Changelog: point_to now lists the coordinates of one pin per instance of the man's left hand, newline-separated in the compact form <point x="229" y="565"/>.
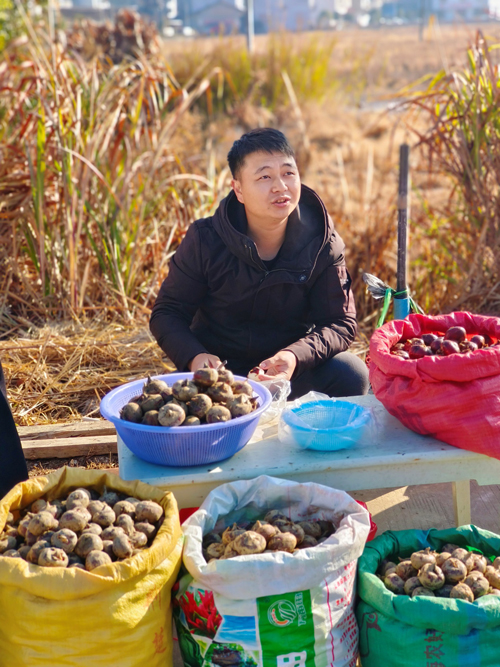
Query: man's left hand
<point x="281" y="365"/>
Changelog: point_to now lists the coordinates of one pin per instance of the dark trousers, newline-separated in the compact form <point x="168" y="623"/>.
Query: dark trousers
<point x="343" y="375"/>
<point x="12" y="463"/>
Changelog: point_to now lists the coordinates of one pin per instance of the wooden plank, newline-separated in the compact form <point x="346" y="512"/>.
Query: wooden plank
<point x="461" y="502"/>
<point x="62" y="448"/>
<point x="71" y="429"/>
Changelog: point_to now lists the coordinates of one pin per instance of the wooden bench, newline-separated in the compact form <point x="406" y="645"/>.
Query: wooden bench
<point x="85" y="438"/>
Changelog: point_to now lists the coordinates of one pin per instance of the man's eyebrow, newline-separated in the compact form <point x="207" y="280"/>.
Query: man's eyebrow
<point x="285" y="164"/>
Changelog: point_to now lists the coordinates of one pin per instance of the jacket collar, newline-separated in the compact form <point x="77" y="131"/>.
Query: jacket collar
<point x="308" y="230"/>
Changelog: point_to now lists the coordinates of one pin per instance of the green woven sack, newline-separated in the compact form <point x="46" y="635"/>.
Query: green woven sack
<point x="398" y="631"/>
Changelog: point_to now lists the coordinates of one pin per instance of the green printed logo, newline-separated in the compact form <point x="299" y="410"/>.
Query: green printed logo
<point x="281" y="613"/>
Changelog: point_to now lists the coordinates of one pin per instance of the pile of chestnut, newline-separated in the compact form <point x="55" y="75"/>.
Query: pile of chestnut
<point x="453" y="341"/>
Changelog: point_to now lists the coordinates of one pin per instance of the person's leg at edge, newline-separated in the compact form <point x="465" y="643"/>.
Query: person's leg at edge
<point x="12" y="462"/>
<point x="343" y="375"/>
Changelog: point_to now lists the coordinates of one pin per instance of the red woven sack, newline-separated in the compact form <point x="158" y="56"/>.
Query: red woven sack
<point x="455" y="399"/>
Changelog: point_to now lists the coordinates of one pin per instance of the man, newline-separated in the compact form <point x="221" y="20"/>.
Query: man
<point x="263" y="282"/>
<point x="12" y="463"/>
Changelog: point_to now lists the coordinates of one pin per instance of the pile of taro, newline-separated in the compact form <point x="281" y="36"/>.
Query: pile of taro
<point x="84" y="530"/>
<point x="452" y="573"/>
<point x="454" y="341"/>
<point x="211" y="396"/>
<point x="276" y="532"/>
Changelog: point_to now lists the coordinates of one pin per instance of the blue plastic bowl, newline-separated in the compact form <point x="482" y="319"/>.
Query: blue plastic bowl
<point x="327" y="425"/>
<point x="182" y="445"/>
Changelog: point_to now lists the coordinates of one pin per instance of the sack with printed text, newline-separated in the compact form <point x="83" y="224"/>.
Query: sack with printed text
<point x="272" y="608"/>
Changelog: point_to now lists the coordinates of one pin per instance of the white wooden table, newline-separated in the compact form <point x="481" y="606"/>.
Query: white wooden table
<point x="395" y="457"/>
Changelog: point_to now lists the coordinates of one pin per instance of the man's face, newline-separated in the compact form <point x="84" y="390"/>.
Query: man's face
<point x="268" y="185"/>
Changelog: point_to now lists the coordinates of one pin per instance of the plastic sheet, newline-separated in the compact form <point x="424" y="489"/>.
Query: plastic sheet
<point x="316" y="421"/>
<point x="280" y="390"/>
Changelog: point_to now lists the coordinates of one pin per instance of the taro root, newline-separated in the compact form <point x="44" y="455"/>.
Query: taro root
<point x="171" y="414"/>
<point x="231" y="533"/>
<point x="421" y="591"/>
<point x="126" y="522"/>
<point x="148" y="510"/>
<point x="218" y="413"/>
<point x="266" y="530"/>
<point x="493" y="576"/>
<point x="417" y="351"/>
<point x="405" y="570"/>
<point x="6" y="543"/>
<point x="311" y="528"/>
<point x="282" y="542"/>
<point x="36" y="550"/>
<point x="38" y="505"/>
<point x="41" y="523"/>
<point x="394" y="583"/>
<point x="11" y="553"/>
<point x="431" y="576"/>
<point x="132" y="500"/>
<point x="52" y="557"/>
<point x="30" y="538"/>
<point x="64" y="539"/>
<point x="151" y="418"/>
<point x="478" y="340"/>
<point x="74" y="558"/>
<point x="420" y="558"/>
<point x="242" y="387"/>
<point x="24" y="551"/>
<point x="107" y="547"/>
<point x="191" y="420"/>
<point x="109" y="498"/>
<point x="199" y="405"/>
<point x="411" y="584"/>
<point x="494" y="591"/>
<point x="241" y="405"/>
<point x="496" y="562"/>
<point x="440" y="558"/>
<point x="224" y="375"/>
<point x="78" y="498"/>
<point x="457" y="334"/>
<point x="152" y="402"/>
<point x="327" y="528"/>
<point x="467" y="346"/>
<point x="283" y="525"/>
<point x="479" y="563"/>
<point x="478" y="585"/>
<point x="111" y="532"/>
<point x="105" y="517"/>
<point x="122" y="546"/>
<point x="387" y="567"/>
<point x="220" y="392"/>
<point x="308" y="542"/>
<point x="124" y="507"/>
<point x="401" y="353"/>
<point x="429" y="338"/>
<point x="96" y="559"/>
<point x="22" y="528"/>
<point x="274" y="515"/>
<point x="155" y="387"/>
<point x="454" y="570"/>
<point x="465" y="556"/>
<point x="184" y="390"/>
<point x="93" y="528"/>
<point x="449" y="547"/>
<point x="216" y="549"/>
<point x="249" y="542"/>
<point x="205" y="377"/>
<point x="462" y="592"/>
<point x="95" y="506"/>
<point x="138" y="539"/>
<point x="298" y="531"/>
<point x="436" y="345"/>
<point x="229" y="552"/>
<point x="88" y="542"/>
<point x="131" y="412"/>
<point x="444" y="591"/>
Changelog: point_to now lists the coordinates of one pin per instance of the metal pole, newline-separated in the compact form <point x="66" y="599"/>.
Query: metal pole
<point x="250" y="26"/>
<point x="401" y="301"/>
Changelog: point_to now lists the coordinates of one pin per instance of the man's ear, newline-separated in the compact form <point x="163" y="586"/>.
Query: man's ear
<point x="236" y="185"/>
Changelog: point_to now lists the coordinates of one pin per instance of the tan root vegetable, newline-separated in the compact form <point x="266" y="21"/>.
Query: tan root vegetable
<point x="311" y="528"/>
<point x="283" y="542"/>
<point x="35" y="551"/>
<point x="422" y="591"/>
<point x="431" y="576"/>
<point x="88" y="542"/>
<point x="420" y="558"/>
<point x="126" y="522"/>
<point x="405" y="570"/>
<point x="231" y="533"/>
<point x="148" y="510"/>
<point x="105" y="517"/>
<point x="42" y="522"/>
<point x="95" y="559"/>
<point x="122" y="546"/>
<point x="93" y="528"/>
<point x="216" y="549"/>
<point x="478" y="585"/>
<point x="64" y="539"/>
<point x="394" y="583"/>
<point x="78" y="498"/>
<point x="52" y="557"/>
<point x="265" y="529"/>
<point x="462" y="592"/>
<point x="249" y="542"/>
<point x="75" y="519"/>
<point x="411" y="584"/>
<point x="454" y="570"/>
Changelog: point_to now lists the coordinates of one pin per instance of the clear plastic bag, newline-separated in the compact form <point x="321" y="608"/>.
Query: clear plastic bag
<point x="280" y="390"/>
<point x="316" y="421"/>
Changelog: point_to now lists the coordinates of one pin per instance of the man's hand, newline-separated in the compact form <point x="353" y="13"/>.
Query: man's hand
<point x="281" y="365"/>
<point x="204" y="358"/>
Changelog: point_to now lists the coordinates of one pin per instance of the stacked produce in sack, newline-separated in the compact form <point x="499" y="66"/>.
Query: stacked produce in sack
<point x="430" y="598"/>
<point x="440" y="376"/>
<point x="270" y="571"/>
<point x="84" y="547"/>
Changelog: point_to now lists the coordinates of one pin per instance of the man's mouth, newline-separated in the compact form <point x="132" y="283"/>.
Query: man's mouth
<point x="282" y="200"/>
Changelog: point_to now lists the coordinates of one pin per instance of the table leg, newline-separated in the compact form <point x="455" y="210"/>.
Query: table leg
<point x="461" y="502"/>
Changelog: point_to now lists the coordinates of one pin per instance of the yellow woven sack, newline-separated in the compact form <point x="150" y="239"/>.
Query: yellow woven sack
<point x="55" y="617"/>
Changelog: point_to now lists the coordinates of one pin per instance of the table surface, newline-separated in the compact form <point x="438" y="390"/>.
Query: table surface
<point x="391" y="456"/>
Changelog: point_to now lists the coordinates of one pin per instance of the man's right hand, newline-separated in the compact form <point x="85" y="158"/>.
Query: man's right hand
<point x="204" y="358"/>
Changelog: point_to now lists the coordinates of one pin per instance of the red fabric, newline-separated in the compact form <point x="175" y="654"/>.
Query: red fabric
<point x="455" y="399"/>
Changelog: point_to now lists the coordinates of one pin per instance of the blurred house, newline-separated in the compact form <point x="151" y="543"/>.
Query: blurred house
<point x="220" y="17"/>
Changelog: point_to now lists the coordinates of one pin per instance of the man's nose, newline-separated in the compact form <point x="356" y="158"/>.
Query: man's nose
<point x="279" y="184"/>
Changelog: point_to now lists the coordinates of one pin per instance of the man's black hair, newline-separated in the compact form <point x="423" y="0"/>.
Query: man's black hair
<point x="265" y="139"/>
